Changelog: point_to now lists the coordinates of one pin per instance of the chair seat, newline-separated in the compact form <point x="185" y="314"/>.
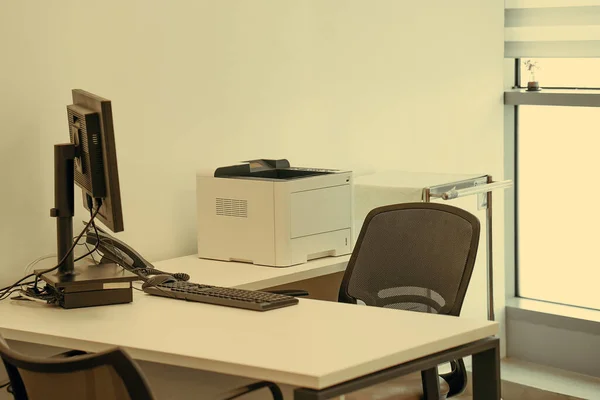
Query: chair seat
<point x="408" y="387"/>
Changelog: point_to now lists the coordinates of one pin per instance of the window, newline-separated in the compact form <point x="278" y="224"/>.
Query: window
<point x="558" y="203"/>
<point x="565" y="73"/>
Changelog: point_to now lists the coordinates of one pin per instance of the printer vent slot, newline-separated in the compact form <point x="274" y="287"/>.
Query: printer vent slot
<point x="232" y="207"/>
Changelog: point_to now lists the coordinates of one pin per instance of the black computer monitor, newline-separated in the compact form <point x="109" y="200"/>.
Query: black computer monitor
<point x="96" y="172"/>
<point x="90" y="161"/>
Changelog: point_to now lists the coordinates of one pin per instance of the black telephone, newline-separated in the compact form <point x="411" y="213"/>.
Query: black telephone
<point x="115" y="250"/>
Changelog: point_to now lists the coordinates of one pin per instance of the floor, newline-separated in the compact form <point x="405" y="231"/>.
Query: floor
<point x="522" y="380"/>
<point x="513" y="391"/>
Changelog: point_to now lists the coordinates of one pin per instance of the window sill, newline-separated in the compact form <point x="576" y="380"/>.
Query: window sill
<point x="559" y="336"/>
<point x="554" y="315"/>
<point x="554" y="97"/>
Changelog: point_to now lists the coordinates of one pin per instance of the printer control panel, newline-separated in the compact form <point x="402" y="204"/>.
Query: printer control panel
<point x="313" y="169"/>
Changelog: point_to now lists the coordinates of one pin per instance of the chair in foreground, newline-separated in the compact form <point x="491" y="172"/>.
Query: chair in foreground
<point x="416" y="257"/>
<point x="108" y="375"/>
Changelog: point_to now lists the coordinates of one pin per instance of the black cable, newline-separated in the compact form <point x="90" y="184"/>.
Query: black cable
<point x="7" y="291"/>
<point x="133" y="270"/>
<point x="52" y="295"/>
<point x="21" y="284"/>
<point x="180" y="276"/>
<point x="92" y="217"/>
<point x="7" y="294"/>
<point x="93" y="258"/>
<point x="72" y="246"/>
<point x="9" y="288"/>
<point x="48" y="294"/>
<point x="37" y="274"/>
<point x="32" y="291"/>
<point x="146" y="271"/>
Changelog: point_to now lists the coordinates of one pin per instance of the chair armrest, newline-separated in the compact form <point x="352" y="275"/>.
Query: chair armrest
<point x="290" y="292"/>
<point x="66" y="354"/>
<point x="235" y="393"/>
<point x="70" y="353"/>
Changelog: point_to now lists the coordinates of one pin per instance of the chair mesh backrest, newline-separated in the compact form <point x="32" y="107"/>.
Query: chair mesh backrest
<point x="92" y="384"/>
<point x="413" y="256"/>
<point x="107" y="375"/>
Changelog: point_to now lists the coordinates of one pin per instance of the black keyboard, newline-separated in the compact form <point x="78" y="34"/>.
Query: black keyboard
<point x="239" y="298"/>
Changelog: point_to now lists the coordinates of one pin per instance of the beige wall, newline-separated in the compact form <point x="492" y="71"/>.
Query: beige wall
<point x="198" y="84"/>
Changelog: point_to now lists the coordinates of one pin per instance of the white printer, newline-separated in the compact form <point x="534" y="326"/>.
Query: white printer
<point x="266" y="212"/>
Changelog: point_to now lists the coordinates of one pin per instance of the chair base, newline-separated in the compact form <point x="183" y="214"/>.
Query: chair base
<point x="408" y="387"/>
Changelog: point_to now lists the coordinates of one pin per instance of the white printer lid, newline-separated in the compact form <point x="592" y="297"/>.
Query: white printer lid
<point x="269" y="170"/>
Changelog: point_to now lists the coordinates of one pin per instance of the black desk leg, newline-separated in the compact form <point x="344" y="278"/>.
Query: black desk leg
<point x="431" y="384"/>
<point x="486" y="374"/>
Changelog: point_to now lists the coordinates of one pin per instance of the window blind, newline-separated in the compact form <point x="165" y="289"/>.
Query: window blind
<point x="552" y="28"/>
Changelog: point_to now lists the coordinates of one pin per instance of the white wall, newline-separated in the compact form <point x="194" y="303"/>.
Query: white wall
<point x="198" y="84"/>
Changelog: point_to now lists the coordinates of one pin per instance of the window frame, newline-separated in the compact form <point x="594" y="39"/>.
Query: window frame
<point x="519" y="72"/>
<point x="528" y="320"/>
<point x="517" y="85"/>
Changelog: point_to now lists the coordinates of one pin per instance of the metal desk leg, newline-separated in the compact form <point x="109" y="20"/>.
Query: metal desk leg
<point x="490" y="254"/>
<point x="431" y="384"/>
<point x="486" y="374"/>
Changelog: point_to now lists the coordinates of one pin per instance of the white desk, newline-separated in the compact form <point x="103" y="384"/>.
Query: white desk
<point x="314" y="345"/>
<point x="320" y="277"/>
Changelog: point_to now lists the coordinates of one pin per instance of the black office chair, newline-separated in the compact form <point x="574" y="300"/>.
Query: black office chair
<point x="416" y="257"/>
<point x="76" y="375"/>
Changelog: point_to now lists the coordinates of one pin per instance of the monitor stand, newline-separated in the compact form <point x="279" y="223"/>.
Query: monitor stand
<point x="88" y="286"/>
<point x="92" y="285"/>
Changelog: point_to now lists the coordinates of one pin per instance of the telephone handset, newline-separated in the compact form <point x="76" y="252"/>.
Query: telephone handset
<point x="117" y="251"/>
